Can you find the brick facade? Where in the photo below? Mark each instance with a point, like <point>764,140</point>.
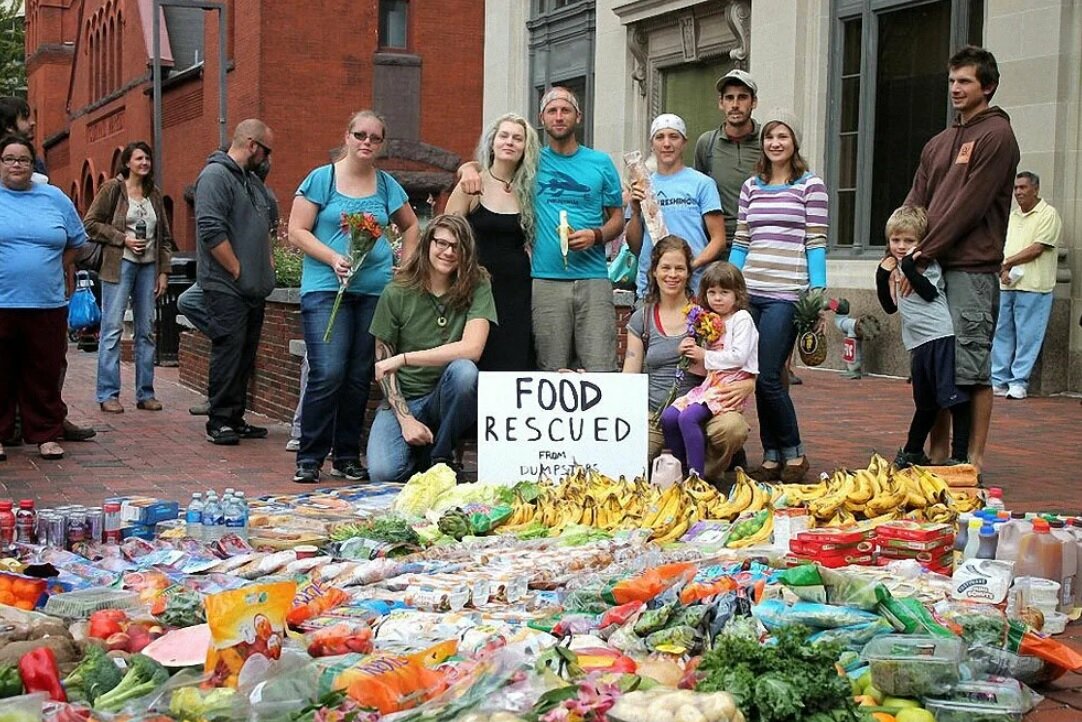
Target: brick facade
<point>301,67</point>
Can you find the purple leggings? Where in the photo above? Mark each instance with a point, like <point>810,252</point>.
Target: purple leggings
<point>685,434</point>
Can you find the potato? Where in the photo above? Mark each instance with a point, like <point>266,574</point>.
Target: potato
<point>718,707</point>
<point>689,713</point>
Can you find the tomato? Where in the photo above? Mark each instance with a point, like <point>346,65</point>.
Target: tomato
<point>107,622</point>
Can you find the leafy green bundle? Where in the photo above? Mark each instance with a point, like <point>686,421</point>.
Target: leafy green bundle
<point>790,681</point>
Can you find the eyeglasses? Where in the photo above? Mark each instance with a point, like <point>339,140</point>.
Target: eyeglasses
<point>266,150</point>
<point>443,246</point>
<point>13,160</point>
<point>362,136</point>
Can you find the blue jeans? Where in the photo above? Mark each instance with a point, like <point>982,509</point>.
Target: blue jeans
<point>339,376</point>
<point>1023,319</point>
<point>137,282</point>
<point>778,429</point>
<point>449,410</point>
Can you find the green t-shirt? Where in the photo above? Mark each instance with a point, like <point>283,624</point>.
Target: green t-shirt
<point>406,320</point>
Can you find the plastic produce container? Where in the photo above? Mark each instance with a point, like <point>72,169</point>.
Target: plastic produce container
<point>905,665</point>
<point>84,602</point>
<point>995,700</point>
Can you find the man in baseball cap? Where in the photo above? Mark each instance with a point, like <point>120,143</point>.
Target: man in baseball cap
<point>728,153</point>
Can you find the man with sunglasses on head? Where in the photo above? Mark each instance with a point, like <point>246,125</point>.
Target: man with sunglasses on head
<point>234,214</point>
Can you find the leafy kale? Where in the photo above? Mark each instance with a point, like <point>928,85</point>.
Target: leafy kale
<point>789,681</point>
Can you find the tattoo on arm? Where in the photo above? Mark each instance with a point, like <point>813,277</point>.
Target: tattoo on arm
<point>389,383</point>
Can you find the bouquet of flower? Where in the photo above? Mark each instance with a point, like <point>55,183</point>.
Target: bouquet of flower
<point>364,232</point>
<point>705,327</point>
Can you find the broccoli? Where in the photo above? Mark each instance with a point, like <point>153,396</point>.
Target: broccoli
<point>143,677</point>
<point>95,675</point>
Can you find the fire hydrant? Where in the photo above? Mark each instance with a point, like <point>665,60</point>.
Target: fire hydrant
<point>855,330</point>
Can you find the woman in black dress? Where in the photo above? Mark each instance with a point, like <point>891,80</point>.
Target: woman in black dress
<point>502,218</point>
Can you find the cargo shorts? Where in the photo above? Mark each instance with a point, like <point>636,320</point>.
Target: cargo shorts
<point>973,299</point>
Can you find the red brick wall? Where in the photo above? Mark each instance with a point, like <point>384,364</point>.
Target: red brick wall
<point>276,382</point>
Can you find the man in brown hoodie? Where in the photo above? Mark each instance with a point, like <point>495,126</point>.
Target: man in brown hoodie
<point>964,180</point>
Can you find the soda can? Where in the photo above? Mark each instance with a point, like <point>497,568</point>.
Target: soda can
<point>95,524</point>
<point>76,526</point>
<point>57,531</point>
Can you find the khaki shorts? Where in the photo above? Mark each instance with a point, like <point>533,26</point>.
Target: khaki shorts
<point>574,324</point>
<point>725,435</point>
<point>973,299</point>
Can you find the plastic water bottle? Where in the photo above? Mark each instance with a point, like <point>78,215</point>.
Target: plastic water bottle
<point>233,515</point>
<point>243,501</point>
<point>193,516</point>
<point>212,517</point>
<point>995,498</point>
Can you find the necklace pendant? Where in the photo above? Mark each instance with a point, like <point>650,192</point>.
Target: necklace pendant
<point>441,321</point>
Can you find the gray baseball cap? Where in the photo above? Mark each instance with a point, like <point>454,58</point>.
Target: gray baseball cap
<point>736,75</point>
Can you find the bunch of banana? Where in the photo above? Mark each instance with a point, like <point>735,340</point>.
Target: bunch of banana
<point>522,515</point>
<point>667,512</point>
<point>832,502</point>
<point>684,522</point>
<point>703,495</point>
<point>740,498</point>
<point>941,514</point>
<point>800,494</point>
<point>963,502</point>
<point>891,498</point>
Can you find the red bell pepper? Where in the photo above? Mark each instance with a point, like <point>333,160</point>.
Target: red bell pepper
<point>41,674</point>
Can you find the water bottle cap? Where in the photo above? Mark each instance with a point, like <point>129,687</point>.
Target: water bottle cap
<point>987,530</point>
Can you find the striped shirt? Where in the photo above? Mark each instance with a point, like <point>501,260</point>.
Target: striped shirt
<point>776,226</point>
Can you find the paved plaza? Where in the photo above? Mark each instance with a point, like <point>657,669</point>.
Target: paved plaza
<point>1034,454</point>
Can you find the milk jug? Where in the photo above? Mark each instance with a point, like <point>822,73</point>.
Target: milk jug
<point>666,471</point>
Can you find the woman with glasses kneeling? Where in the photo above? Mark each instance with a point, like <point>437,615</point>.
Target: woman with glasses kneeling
<point>430,326</point>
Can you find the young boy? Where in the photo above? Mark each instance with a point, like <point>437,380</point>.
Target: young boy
<point>928,335</point>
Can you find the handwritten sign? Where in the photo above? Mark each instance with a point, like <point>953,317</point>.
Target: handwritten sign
<point>534,424</point>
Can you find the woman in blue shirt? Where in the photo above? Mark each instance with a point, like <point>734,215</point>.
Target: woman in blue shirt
<point>40,232</point>
<point>341,368</point>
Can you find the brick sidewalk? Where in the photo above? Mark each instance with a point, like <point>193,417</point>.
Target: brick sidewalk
<point>1034,455</point>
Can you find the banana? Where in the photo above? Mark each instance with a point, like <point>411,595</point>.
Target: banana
<point>680,528</point>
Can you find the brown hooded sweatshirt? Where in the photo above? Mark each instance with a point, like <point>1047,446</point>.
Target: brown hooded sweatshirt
<point>965,180</point>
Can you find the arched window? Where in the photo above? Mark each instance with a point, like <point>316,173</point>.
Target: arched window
<point>119,49</point>
<point>88,190</point>
<point>76,199</point>
<point>111,83</point>
<point>115,164</point>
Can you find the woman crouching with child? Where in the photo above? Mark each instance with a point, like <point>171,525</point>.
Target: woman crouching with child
<point>733,357</point>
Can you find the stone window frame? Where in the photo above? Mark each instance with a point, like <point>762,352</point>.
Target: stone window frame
<point>549,27</point>
<point>382,20</point>
<point>868,11</point>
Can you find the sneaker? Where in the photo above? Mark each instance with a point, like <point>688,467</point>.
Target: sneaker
<point>904,460</point>
<point>1016,391</point>
<point>306,474</point>
<point>223,436</point>
<point>247,431</point>
<point>740,459</point>
<point>1000,391</point>
<point>451,464</point>
<point>293,445</point>
<point>201,409</point>
<point>352,470</point>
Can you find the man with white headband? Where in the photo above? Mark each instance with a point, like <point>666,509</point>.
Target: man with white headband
<point>574,318</point>
<point>689,203</point>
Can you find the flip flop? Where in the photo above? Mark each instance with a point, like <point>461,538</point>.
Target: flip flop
<point>50,450</point>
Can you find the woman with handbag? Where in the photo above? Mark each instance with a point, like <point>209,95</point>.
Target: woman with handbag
<point>128,218</point>
<point>40,234</point>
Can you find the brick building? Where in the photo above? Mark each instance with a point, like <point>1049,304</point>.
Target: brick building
<point>301,67</point>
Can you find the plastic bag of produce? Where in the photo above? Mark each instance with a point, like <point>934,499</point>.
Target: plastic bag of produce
<point>975,623</point>
<point>244,623</point>
<point>912,617</point>
<point>813,583</point>
<point>774,613</point>
<point>680,640</point>
<point>625,640</point>
<point>652,620</point>
<point>854,636</point>
<point>386,682</point>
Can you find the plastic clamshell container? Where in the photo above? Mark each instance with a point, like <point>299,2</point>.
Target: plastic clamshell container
<point>82,603</point>
<point>994,700</point>
<point>905,665</point>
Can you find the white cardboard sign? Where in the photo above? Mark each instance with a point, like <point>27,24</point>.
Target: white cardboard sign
<point>533,424</point>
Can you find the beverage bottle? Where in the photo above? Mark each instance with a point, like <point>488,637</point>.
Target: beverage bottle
<point>1010,537</point>
<point>233,515</point>
<point>973,541</point>
<point>141,232</point>
<point>212,515</point>
<point>26,522</point>
<point>961,537</point>
<point>226,503</point>
<point>243,501</point>
<point>666,470</point>
<point>1040,554</point>
<point>1068,589</point>
<point>995,498</point>
<point>987,540</point>
<point>7,524</point>
<point>193,516</point>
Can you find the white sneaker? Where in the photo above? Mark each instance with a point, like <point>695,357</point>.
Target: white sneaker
<point>1016,391</point>
<point>293,445</point>
<point>1000,391</point>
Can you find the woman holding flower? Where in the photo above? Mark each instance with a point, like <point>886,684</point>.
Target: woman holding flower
<point>338,217</point>
<point>654,336</point>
